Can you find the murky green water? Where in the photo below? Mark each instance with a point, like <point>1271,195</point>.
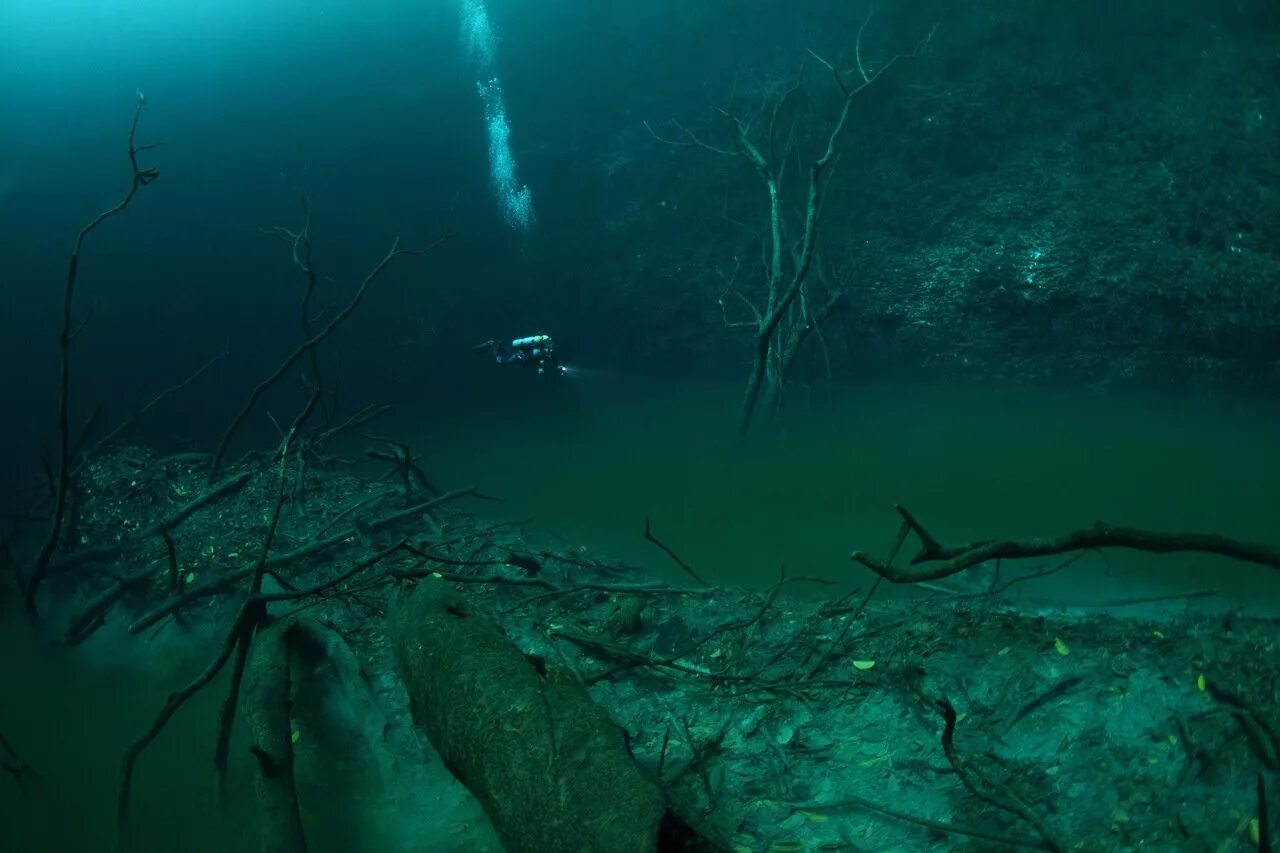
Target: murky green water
<point>589,461</point>
<point>72,713</point>
<point>592,460</point>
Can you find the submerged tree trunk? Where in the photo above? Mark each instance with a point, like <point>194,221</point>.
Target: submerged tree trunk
<point>550,768</point>
<point>267,711</point>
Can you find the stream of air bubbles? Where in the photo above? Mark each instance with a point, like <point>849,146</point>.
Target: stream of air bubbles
<point>480,44</point>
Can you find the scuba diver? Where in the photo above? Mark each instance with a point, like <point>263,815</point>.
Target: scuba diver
<point>536,351</point>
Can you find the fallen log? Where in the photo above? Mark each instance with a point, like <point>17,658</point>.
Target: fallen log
<point>550,768</point>
<point>267,712</point>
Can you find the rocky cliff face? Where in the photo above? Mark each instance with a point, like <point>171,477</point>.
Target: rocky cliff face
<point>1081,193</point>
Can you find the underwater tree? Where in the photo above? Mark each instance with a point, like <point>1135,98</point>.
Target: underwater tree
<point>782,325</point>
<point>62,475</point>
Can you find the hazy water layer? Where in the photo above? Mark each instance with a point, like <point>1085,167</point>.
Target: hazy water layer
<point>591,460</point>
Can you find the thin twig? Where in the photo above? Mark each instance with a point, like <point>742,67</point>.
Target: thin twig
<point>308,346</point>
<point>148,406</point>
<point>941,826</point>
<point>685,567</point>
<point>971,775</point>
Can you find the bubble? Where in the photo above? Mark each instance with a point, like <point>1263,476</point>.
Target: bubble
<point>480,45</point>
<point>477,34</point>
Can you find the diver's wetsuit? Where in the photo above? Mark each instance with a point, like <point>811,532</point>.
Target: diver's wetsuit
<point>537,351</point>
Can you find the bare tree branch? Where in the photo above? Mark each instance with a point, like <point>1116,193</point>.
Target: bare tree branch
<point>142,176</point>
<point>935,561</point>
